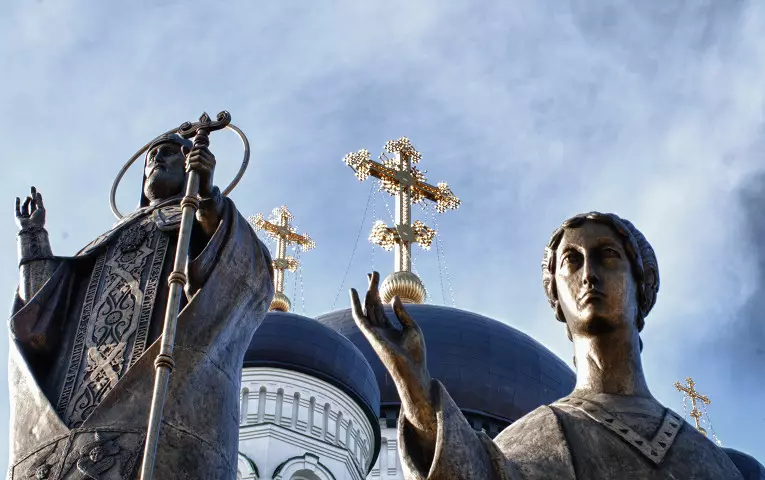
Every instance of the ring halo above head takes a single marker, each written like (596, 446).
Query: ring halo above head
(145, 148)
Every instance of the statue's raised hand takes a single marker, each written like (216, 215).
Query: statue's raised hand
(402, 351)
(30, 215)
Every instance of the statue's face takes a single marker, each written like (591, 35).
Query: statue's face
(596, 289)
(165, 172)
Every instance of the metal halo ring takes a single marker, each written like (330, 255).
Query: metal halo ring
(124, 169)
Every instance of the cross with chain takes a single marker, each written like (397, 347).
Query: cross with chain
(279, 228)
(399, 177)
(691, 392)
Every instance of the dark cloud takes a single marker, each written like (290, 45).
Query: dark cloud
(747, 344)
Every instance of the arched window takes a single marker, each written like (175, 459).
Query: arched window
(279, 403)
(305, 475)
(383, 458)
(311, 410)
(246, 468)
(261, 404)
(325, 422)
(349, 435)
(338, 426)
(295, 410)
(243, 407)
(307, 467)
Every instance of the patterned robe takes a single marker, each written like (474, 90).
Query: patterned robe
(81, 361)
(582, 437)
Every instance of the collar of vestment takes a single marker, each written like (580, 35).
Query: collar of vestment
(166, 215)
(653, 449)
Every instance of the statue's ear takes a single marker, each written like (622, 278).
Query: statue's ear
(648, 298)
(560, 317)
(568, 333)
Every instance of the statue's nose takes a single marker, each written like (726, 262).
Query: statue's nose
(589, 273)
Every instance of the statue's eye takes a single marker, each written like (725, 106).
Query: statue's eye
(569, 258)
(609, 252)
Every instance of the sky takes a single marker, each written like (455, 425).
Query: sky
(532, 111)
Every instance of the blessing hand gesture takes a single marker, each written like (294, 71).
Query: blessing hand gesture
(401, 350)
(32, 213)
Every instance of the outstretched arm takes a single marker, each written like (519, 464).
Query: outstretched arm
(402, 351)
(459, 453)
(36, 261)
(435, 440)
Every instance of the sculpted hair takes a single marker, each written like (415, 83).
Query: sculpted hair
(640, 253)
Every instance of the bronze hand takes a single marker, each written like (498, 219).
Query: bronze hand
(202, 161)
(30, 215)
(402, 351)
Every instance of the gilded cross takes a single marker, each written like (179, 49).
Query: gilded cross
(279, 228)
(691, 392)
(399, 177)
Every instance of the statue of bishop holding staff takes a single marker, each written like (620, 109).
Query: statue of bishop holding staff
(85, 333)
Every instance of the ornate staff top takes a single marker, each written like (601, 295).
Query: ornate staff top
(187, 130)
(279, 228)
(400, 178)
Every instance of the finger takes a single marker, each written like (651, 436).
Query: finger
(25, 207)
(373, 283)
(401, 314)
(18, 207)
(372, 332)
(374, 286)
(358, 314)
(33, 203)
(375, 310)
(199, 161)
(40, 201)
(373, 305)
(199, 167)
(208, 160)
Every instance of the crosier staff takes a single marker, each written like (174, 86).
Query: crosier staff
(164, 363)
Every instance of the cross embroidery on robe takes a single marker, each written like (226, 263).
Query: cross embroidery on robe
(114, 323)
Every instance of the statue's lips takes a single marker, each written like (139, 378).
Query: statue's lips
(590, 296)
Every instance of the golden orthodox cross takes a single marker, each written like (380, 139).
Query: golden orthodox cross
(691, 392)
(279, 228)
(399, 177)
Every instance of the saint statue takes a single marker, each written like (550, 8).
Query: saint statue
(85, 333)
(601, 278)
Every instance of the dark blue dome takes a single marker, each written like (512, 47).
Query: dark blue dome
(293, 342)
(490, 369)
(749, 467)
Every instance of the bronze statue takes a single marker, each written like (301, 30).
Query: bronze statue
(601, 278)
(85, 333)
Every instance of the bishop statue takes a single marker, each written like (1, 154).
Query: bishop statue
(85, 332)
(601, 277)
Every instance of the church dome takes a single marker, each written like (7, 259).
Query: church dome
(749, 467)
(495, 373)
(294, 342)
